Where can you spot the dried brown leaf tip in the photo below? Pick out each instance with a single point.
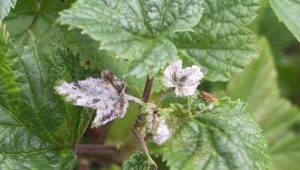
(207, 97)
(105, 94)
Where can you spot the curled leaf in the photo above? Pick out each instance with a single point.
(156, 126)
(105, 94)
(184, 81)
(162, 133)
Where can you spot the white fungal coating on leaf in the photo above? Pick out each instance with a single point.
(105, 94)
(162, 133)
(184, 81)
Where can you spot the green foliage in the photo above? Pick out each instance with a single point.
(258, 86)
(288, 12)
(135, 30)
(220, 43)
(225, 137)
(38, 128)
(36, 17)
(214, 43)
(137, 161)
(138, 38)
(5, 6)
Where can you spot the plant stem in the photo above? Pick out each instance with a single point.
(95, 149)
(147, 89)
(136, 130)
(134, 99)
(141, 140)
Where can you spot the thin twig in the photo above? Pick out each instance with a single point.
(134, 99)
(143, 145)
(95, 149)
(141, 140)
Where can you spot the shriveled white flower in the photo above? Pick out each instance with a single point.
(162, 133)
(105, 94)
(184, 81)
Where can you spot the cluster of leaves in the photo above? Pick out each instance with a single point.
(138, 39)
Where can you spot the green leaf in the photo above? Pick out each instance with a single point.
(258, 86)
(93, 59)
(5, 6)
(20, 149)
(137, 161)
(135, 30)
(220, 43)
(36, 17)
(38, 128)
(225, 137)
(288, 12)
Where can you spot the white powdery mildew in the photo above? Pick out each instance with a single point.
(106, 95)
(162, 133)
(185, 81)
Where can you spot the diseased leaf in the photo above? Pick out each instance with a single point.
(258, 86)
(184, 80)
(135, 30)
(37, 128)
(288, 12)
(224, 137)
(5, 6)
(220, 43)
(137, 161)
(106, 95)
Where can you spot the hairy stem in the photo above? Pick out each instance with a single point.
(134, 99)
(95, 149)
(136, 130)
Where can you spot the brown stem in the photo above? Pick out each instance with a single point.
(138, 134)
(95, 149)
(147, 89)
(136, 131)
(141, 140)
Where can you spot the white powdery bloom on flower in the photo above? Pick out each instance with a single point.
(162, 133)
(184, 81)
(105, 94)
